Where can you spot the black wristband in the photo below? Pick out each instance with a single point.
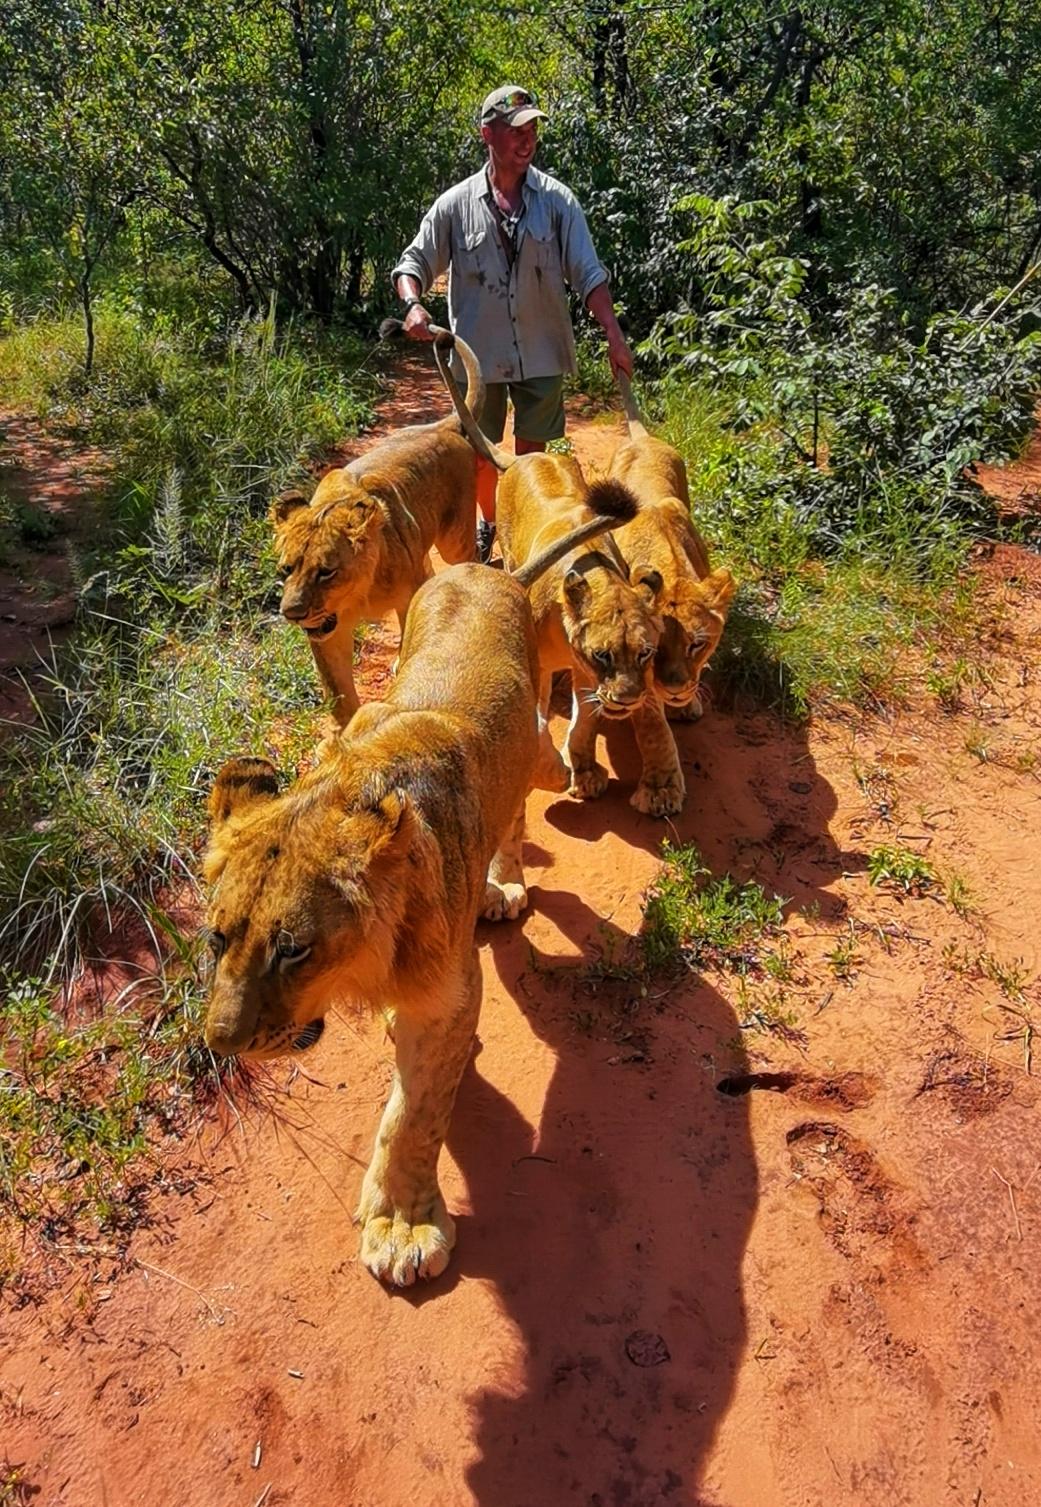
(411, 303)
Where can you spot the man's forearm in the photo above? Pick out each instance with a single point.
(408, 287)
(601, 307)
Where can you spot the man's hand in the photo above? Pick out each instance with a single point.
(619, 355)
(416, 323)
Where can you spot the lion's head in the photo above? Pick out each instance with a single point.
(614, 628)
(693, 614)
(327, 550)
(313, 900)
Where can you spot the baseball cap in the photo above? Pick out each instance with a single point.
(512, 104)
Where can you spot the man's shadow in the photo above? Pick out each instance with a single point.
(614, 1239)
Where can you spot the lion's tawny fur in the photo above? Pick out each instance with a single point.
(593, 621)
(694, 599)
(376, 865)
(360, 548)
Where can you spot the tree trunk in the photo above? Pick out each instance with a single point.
(88, 320)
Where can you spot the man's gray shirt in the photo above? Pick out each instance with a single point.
(515, 318)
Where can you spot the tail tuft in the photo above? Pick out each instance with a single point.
(390, 329)
(612, 499)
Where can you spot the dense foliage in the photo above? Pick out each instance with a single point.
(293, 144)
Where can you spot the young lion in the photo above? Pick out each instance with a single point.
(363, 881)
(593, 621)
(360, 548)
(590, 617)
(694, 598)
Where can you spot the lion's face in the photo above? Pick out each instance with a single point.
(693, 615)
(299, 917)
(614, 630)
(326, 551)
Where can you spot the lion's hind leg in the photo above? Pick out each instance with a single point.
(407, 1231)
(505, 895)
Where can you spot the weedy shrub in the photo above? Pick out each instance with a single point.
(901, 869)
(705, 921)
(87, 1102)
(102, 796)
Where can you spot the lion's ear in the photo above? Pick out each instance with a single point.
(576, 590)
(646, 582)
(718, 590)
(285, 503)
(241, 783)
(386, 824)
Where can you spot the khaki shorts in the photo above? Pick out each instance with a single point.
(538, 406)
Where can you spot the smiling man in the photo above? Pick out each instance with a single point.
(512, 239)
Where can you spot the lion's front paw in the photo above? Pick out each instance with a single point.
(692, 712)
(551, 773)
(503, 902)
(589, 782)
(660, 794)
(400, 1253)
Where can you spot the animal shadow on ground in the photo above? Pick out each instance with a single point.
(615, 1236)
(756, 805)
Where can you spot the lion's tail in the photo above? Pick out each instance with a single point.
(633, 416)
(480, 441)
(613, 503)
(470, 408)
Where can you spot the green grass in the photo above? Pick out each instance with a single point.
(705, 921)
(816, 619)
(102, 796)
(179, 661)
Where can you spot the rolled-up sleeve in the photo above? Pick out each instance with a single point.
(427, 257)
(582, 267)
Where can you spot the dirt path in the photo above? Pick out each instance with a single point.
(51, 484)
(734, 1243)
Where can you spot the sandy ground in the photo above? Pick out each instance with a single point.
(725, 1243)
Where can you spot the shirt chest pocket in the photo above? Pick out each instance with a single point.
(545, 252)
(472, 254)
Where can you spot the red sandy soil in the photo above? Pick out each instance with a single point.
(819, 1288)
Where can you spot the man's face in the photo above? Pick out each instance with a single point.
(511, 147)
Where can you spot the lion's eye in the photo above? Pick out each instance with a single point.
(695, 646)
(284, 572)
(325, 574)
(602, 657)
(289, 950)
(217, 943)
(644, 655)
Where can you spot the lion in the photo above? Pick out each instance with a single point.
(360, 548)
(595, 620)
(694, 599)
(593, 616)
(363, 881)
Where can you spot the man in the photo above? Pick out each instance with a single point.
(509, 238)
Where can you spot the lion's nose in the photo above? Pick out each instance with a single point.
(226, 1043)
(294, 611)
(231, 1022)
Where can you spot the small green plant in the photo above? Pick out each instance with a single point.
(692, 917)
(16, 1490)
(959, 894)
(901, 869)
(843, 957)
(978, 744)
